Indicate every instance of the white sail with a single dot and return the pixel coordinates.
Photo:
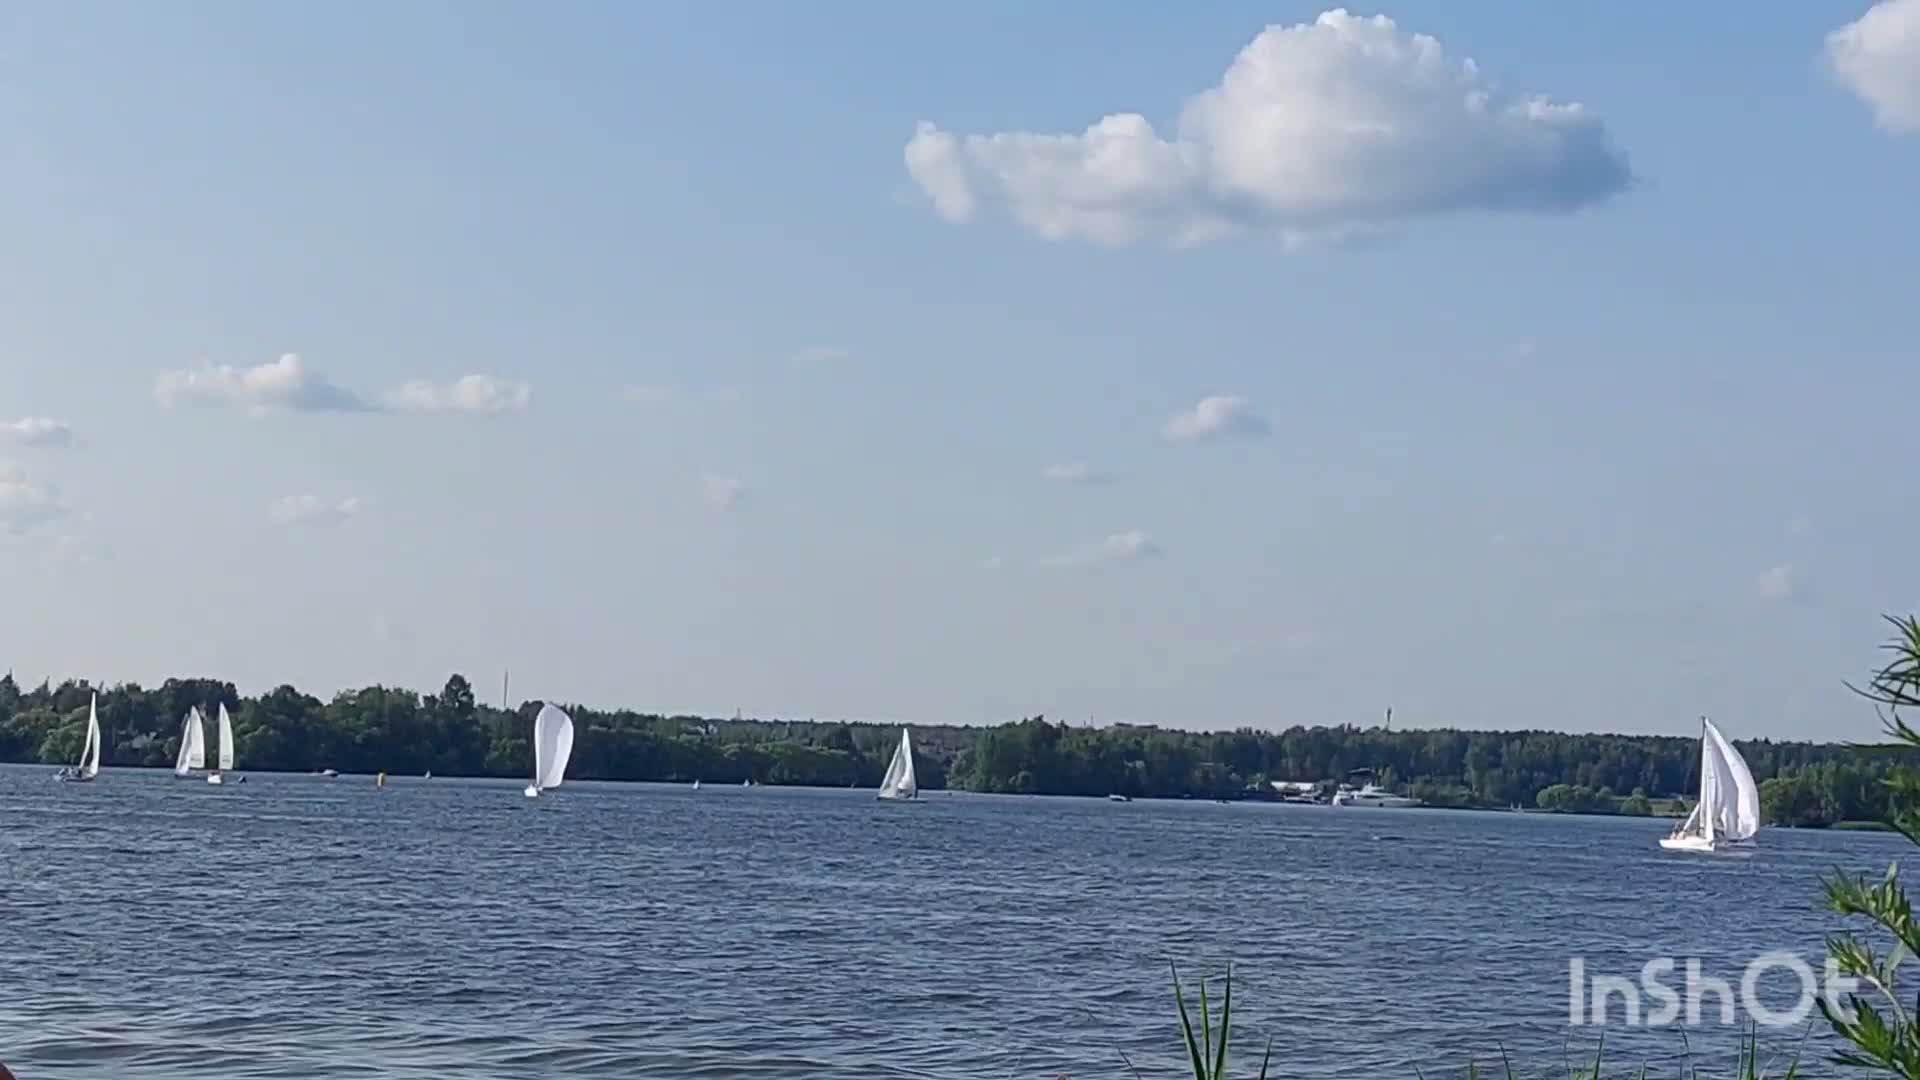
(552, 746)
(899, 782)
(1738, 807)
(90, 754)
(193, 744)
(226, 741)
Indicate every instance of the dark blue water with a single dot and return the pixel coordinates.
(301, 927)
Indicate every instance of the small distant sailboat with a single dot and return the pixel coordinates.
(1728, 813)
(380, 782)
(89, 766)
(193, 744)
(898, 784)
(226, 749)
(552, 746)
(696, 785)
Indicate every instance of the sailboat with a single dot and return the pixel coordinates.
(1728, 813)
(552, 746)
(898, 784)
(226, 749)
(90, 753)
(193, 744)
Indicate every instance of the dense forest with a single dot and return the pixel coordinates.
(451, 733)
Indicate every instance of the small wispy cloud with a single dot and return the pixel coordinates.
(1078, 473)
(1877, 57)
(26, 503)
(36, 431)
(312, 510)
(722, 491)
(69, 549)
(1132, 545)
(289, 385)
(1778, 583)
(1221, 416)
(286, 384)
(484, 394)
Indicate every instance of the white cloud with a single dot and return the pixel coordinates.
(25, 503)
(1877, 56)
(37, 431)
(71, 550)
(1342, 123)
(1129, 546)
(722, 492)
(1132, 544)
(1076, 473)
(285, 384)
(312, 510)
(469, 394)
(1777, 583)
(1217, 417)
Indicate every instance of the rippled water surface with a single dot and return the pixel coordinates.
(302, 927)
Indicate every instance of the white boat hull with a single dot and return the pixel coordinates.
(532, 792)
(1700, 845)
(215, 778)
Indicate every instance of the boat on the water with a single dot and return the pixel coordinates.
(552, 747)
(193, 744)
(218, 776)
(89, 766)
(1728, 813)
(898, 785)
(1117, 797)
(1371, 794)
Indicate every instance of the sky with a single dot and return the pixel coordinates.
(1237, 365)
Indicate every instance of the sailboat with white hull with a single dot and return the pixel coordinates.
(218, 776)
(898, 785)
(193, 744)
(1728, 813)
(89, 766)
(552, 747)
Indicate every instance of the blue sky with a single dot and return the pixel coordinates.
(632, 355)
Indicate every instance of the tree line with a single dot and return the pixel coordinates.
(388, 729)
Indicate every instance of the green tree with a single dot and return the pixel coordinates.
(1883, 1036)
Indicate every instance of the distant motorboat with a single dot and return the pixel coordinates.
(1371, 794)
(899, 784)
(89, 766)
(552, 747)
(226, 749)
(329, 773)
(1119, 798)
(1728, 813)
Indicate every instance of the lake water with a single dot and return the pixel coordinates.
(302, 927)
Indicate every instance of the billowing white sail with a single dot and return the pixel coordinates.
(899, 782)
(552, 746)
(90, 753)
(193, 744)
(1738, 802)
(1728, 812)
(226, 741)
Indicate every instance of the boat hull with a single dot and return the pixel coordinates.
(1700, 845)
(531, 792)
(215, 778)
(73, 778)
(897, 798)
